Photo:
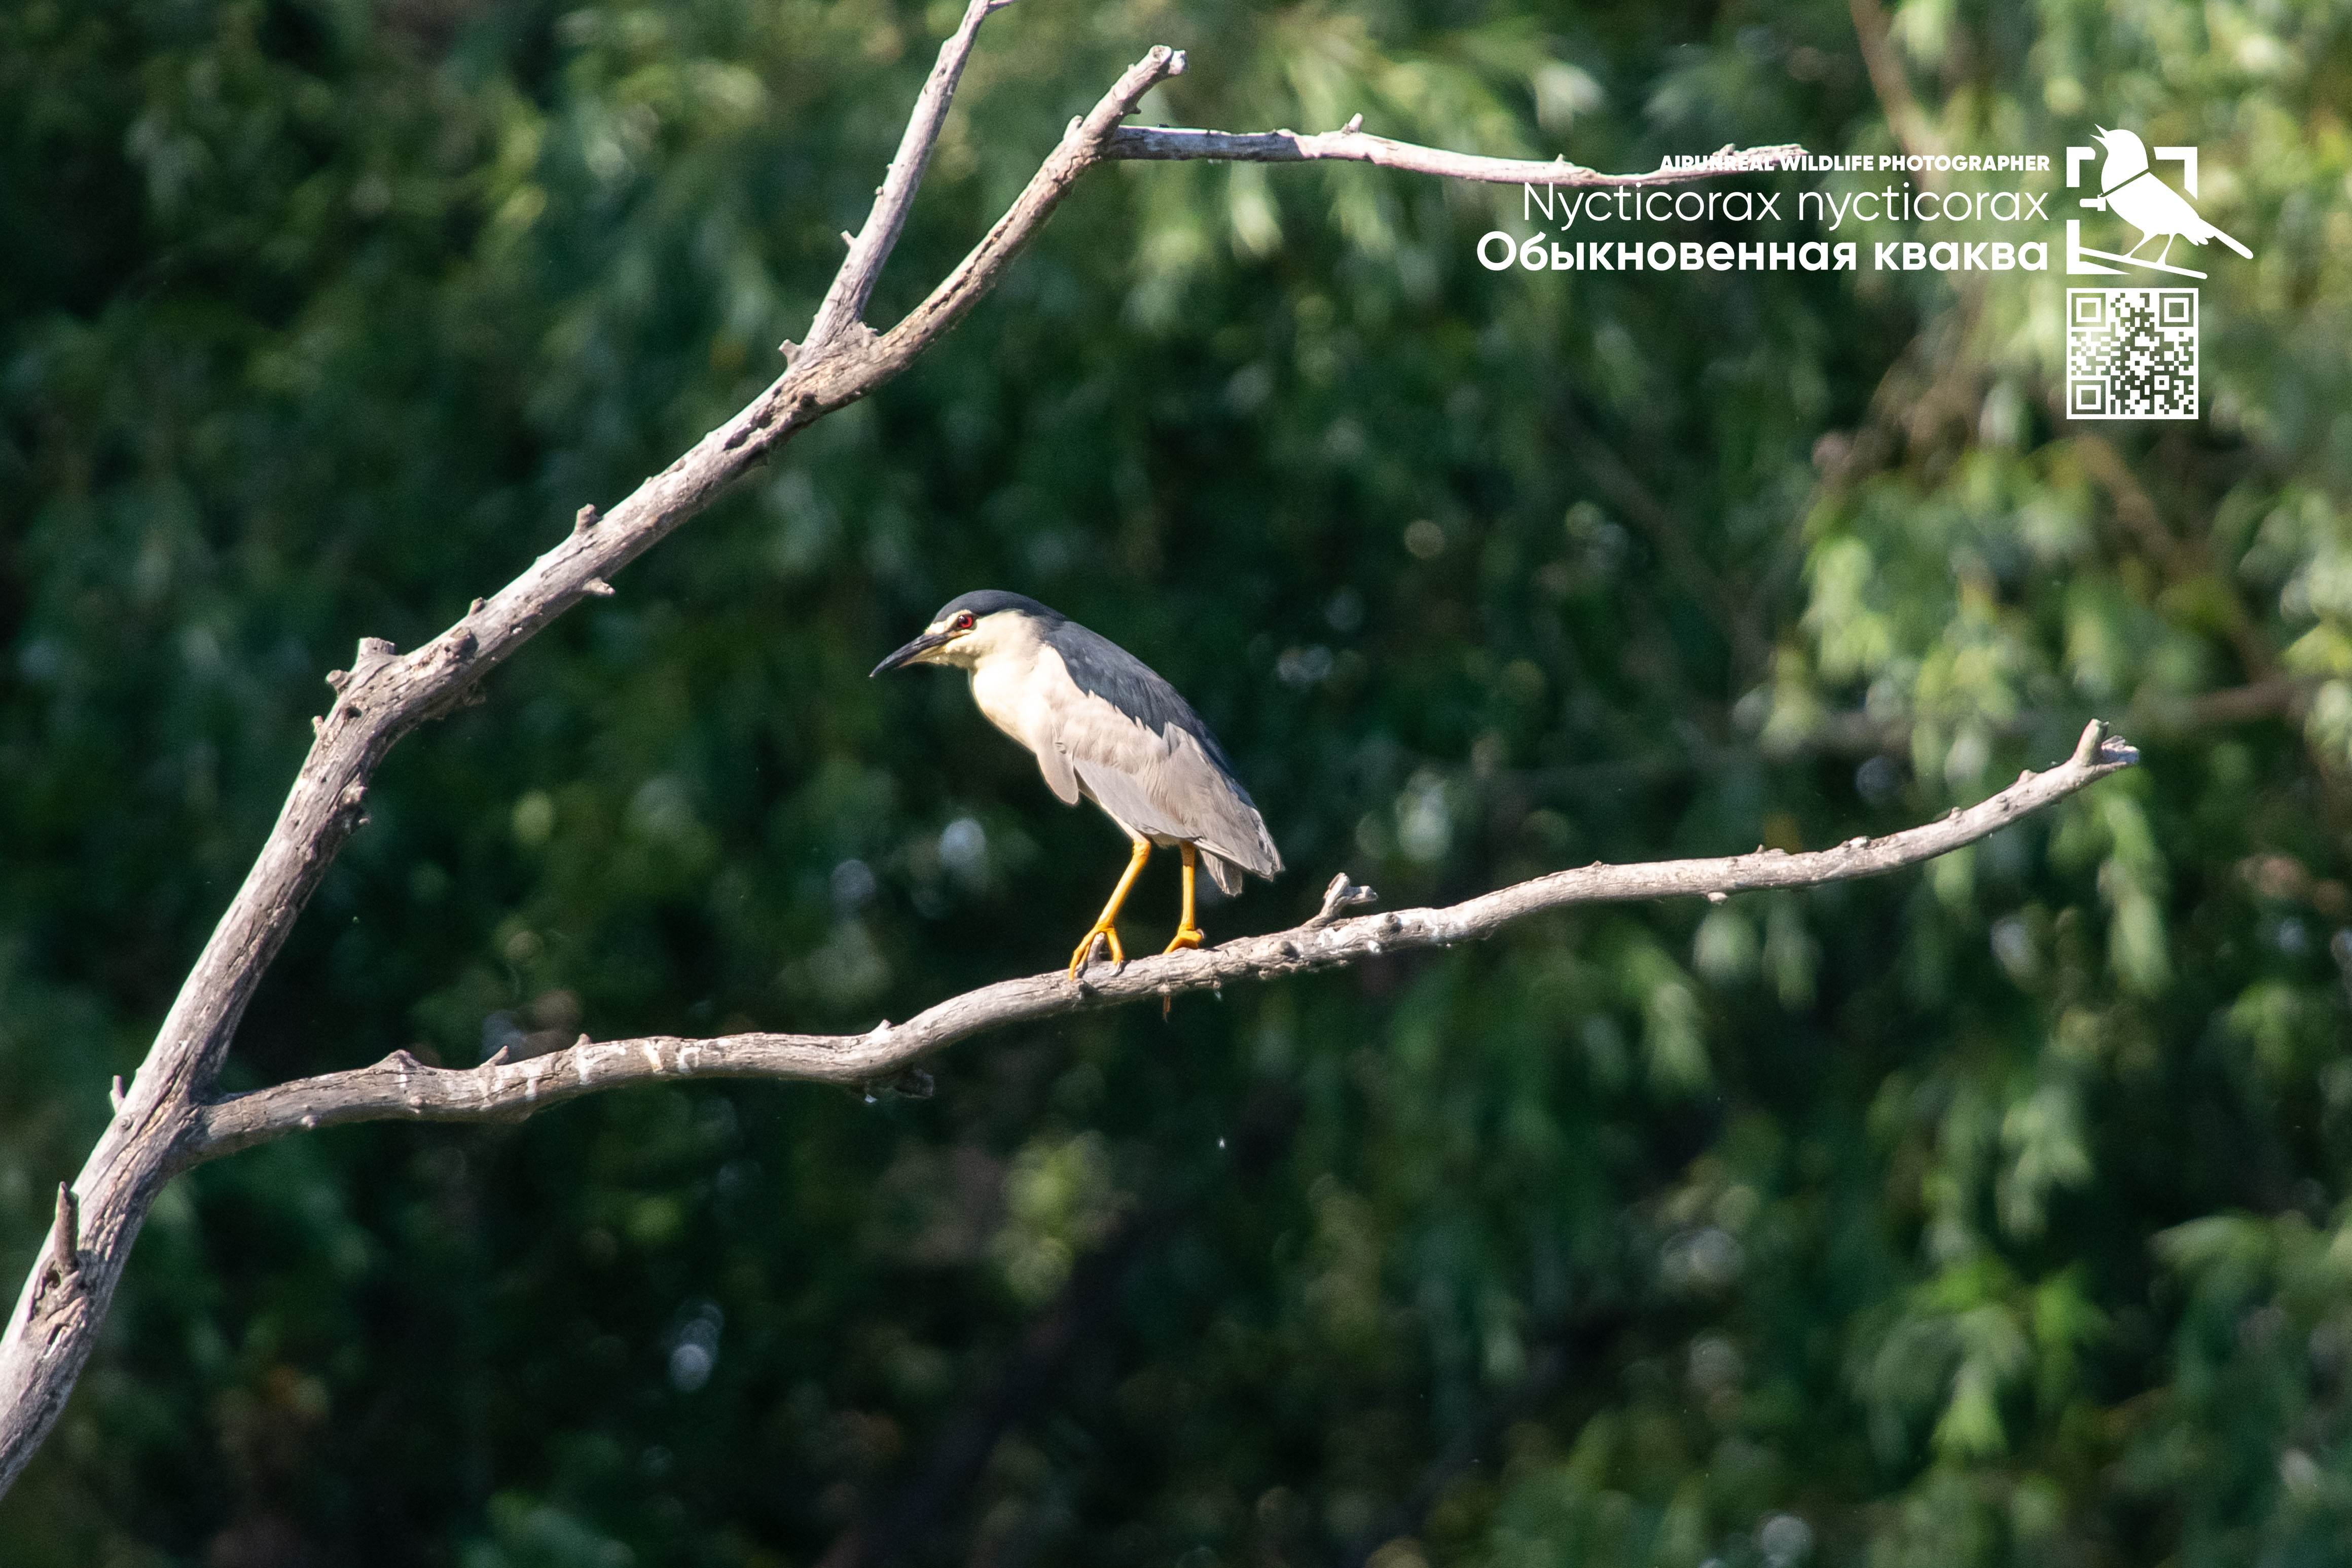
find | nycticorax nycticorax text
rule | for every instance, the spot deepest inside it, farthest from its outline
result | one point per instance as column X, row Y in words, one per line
column 1102, row 725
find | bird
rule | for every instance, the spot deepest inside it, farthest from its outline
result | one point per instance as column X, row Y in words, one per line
column 2134, row 193
column 1103, row 724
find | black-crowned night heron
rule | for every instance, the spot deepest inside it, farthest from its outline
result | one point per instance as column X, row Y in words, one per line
column 1102, row 725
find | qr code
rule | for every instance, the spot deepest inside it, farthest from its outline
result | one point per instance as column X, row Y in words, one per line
column 2131, row 353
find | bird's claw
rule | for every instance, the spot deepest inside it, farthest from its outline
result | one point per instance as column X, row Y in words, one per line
column 1087, row 949
column 1186, row 937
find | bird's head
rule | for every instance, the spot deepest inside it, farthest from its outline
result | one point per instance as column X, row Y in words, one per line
column 970, row 627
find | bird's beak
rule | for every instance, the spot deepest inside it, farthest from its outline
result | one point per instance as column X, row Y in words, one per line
column 911, row 651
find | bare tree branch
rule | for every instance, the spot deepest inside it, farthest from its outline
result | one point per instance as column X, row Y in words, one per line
column 1350, row 145
column 1082, row 146
column 845, row 302
column 167, row 1119
column 401, row 1088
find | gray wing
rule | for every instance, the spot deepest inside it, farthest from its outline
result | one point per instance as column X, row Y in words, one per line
column 1102, row 668
column 1169, row 781
column 1166, row 788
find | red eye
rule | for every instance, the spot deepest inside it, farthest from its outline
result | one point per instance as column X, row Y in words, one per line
column 963, row 622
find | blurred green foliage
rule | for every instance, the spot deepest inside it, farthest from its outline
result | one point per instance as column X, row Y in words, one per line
column 1996, row 1213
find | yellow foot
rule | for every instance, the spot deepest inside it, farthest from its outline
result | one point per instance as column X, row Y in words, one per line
column 1186, row 937
column 1086, row 949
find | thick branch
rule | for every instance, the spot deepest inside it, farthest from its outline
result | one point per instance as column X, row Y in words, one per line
column 1353, row 146
column 401, row 1088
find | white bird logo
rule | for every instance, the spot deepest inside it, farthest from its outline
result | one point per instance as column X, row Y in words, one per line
column 2128, row 189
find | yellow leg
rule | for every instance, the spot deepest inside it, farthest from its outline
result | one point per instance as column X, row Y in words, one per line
column 1103, row 926
column 1187, row 934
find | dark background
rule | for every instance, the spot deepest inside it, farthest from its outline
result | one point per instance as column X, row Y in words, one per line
column 1987, row 1213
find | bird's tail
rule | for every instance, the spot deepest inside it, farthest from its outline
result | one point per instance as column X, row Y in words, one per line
column 2233, row 245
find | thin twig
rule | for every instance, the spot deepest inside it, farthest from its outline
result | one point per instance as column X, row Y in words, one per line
column 65, row 1233
column 852, row 285
column 1341, row 894
column 1142, row 143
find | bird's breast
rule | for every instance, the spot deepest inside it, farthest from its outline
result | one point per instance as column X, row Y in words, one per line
column 1004, row 691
